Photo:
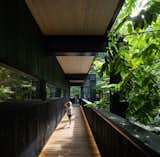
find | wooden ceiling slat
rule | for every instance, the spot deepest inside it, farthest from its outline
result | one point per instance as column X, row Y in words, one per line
column 75, row 64
column 73, row 17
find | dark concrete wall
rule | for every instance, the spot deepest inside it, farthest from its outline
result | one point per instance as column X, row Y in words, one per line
column 27, row 125
column 22, row 44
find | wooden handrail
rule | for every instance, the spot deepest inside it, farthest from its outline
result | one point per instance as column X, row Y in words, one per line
column 144, row 141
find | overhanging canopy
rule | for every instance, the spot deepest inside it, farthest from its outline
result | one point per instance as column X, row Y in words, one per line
column 75, row 64
column 74, row 29
column 73, row 17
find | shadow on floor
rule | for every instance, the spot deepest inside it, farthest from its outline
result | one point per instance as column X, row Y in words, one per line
column 70, row 141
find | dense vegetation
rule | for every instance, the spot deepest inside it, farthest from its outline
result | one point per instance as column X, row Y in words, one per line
column 133, row 57
column 75, row 91
column 14, row 85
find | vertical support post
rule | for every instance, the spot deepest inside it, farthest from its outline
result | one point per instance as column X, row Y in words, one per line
column 52, row 89
column 39, row 91
column 69, row 91
column 86, row 92
column 58, row 92
column 82, row 92
column 92, row 82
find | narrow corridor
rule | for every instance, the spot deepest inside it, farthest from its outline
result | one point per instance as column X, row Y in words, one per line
column 71, row 141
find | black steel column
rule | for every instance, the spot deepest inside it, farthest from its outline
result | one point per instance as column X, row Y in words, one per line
column 39, row 89
column 82, row 92
column 86, row 92
column 92, row 83
column 52, row 89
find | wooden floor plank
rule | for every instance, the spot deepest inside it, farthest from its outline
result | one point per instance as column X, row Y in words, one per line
column 71, row 141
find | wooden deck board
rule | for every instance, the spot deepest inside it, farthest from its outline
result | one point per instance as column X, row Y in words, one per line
column 73, row 141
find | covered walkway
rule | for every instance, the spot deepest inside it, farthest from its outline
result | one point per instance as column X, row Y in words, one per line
column 71, row 141
column 55, row 43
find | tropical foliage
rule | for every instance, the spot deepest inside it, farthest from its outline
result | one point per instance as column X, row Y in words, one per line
column 75, row 91
column 14, row 85
column 133, row 53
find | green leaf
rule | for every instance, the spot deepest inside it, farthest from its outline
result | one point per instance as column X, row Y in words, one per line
column 129, row 28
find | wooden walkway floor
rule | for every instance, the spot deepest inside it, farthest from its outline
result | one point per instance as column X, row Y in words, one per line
column 73, row 141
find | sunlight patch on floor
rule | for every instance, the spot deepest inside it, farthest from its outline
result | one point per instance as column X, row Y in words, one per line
column 70, row 140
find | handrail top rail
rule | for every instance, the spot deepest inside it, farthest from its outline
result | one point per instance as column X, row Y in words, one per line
column 86, row 101
column 129, row 130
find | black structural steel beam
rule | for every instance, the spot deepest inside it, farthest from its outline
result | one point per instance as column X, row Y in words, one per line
column 75, row 76
column 117, row 10
column 75, row 84
column 81, row 45
column 75, row 44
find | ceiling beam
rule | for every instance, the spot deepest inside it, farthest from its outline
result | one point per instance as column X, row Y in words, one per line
column 113, row 19
column 75, row 84
column 75, row 45
column 75, row 76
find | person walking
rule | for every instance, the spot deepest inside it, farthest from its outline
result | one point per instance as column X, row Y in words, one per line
column 68, row 106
